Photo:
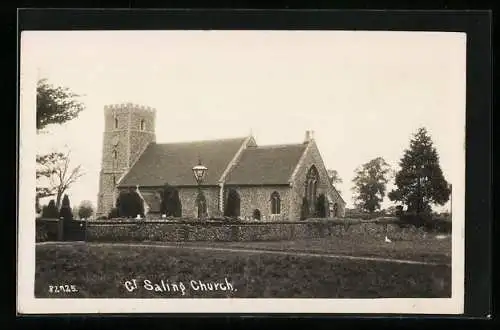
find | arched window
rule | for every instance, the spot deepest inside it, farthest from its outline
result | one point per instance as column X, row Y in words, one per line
column 275, row 203
column 116, row 122
column 312, row 179
column 115, row 154
column 335, row 210
column 114, row 181
column 256, row 214
column 143, row 125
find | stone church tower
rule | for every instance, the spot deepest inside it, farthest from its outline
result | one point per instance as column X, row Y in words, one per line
column 128, row 129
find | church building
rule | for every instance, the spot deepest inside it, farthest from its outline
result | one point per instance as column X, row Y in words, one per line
column 266, row 182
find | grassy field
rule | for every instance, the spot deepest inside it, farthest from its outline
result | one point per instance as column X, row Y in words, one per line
column 428, row 250
column 100, row 271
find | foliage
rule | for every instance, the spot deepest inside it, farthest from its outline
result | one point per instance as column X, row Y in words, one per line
column 334, row 177
column 85, row 210
column 129, row 204
column 113, row 214
column 50, row 211
column 420, row 181
column 321, row 206
column 232, row 205
column 55, row 168
column 304, row 209
column 65, row 211
column 55, row 105
column 370, row 184
column 170, row 202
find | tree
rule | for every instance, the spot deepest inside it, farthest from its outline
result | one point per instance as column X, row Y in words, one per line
column 420, row 181
column 334, row 177
column 65, row 211
column 50, row 211
column 85, row 210
column 55, row 169
column 370, row 184
column 55, row 105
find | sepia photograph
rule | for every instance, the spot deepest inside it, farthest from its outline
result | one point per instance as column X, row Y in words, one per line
column 242, row 171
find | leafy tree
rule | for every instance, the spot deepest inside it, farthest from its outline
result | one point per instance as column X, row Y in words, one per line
column 55, row 104
column 420, row 181
column 65, row 211
column 334, row 177
column 50, row 211
column 85, row 210
column 59, row 176
column 370, row 184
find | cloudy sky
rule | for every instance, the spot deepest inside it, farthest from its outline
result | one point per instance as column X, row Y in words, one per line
column 363, row 93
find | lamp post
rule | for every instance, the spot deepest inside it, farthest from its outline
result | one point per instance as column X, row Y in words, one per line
column 199, row 171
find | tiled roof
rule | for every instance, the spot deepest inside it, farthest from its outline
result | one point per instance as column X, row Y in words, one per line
column 266, row 165
column 172, row 163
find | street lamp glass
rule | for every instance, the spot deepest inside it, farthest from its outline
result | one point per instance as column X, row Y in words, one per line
column 199, row 172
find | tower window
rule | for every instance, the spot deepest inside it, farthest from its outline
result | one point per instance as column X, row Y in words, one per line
column 116, row 122
column 114, row 181
column 115, row 154
column 143, row 125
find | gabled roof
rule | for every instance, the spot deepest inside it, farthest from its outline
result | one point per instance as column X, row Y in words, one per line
column 172, row 163
column 266, row 165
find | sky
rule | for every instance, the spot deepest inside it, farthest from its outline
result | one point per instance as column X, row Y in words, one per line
column 364, row 94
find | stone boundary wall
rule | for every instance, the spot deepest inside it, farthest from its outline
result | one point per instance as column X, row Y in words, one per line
column 162, row 230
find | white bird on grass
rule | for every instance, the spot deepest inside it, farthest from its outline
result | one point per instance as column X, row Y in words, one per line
column 387, row 240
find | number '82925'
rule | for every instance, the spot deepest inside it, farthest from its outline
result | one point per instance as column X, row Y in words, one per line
column 66, row 288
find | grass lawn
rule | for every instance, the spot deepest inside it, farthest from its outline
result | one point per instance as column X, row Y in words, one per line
column 428, row 250
column 100, row 271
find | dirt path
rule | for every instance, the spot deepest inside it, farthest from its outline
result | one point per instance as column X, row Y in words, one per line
column 255, row 251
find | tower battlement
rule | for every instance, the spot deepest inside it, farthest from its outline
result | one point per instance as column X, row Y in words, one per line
column 128, row 106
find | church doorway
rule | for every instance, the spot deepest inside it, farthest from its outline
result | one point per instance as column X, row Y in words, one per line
column 232, row 207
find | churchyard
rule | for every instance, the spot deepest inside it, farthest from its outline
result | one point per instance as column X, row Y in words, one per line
column 341, row 266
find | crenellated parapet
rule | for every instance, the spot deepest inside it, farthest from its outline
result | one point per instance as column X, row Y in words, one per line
column 113, row 108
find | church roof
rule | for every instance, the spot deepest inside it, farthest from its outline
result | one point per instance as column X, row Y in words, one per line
column 266, row 165
column 172, row 163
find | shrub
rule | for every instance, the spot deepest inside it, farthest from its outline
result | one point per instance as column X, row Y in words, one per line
column 232, row 206
column 170, row 202
column 304, row 211
column 321, row 206
column 112, row 214
column 65, row 211
column 129, row 204
column 50, row 211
